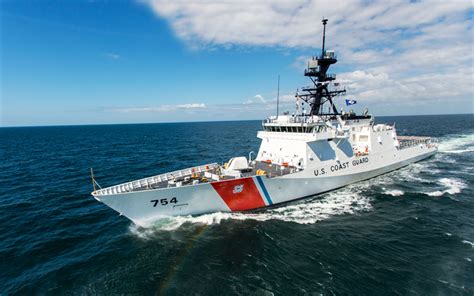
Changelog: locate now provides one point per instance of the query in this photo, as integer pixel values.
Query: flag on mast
(350, 102)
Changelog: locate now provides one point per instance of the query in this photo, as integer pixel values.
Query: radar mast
(319, 93)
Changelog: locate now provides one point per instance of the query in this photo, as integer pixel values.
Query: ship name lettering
(339, 166)
(320, 171)
(360, 161)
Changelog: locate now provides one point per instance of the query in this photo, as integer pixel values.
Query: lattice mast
(319, 93)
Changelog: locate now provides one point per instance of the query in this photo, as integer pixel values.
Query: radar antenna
(319, 93)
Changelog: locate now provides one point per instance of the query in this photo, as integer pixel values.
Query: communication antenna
(325, 21)
(278, 95)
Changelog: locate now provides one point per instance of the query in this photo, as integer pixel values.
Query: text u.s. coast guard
(340, 166)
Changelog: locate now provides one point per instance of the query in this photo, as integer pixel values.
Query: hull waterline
(144, 207)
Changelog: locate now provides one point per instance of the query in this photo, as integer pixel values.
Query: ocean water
(409, 232)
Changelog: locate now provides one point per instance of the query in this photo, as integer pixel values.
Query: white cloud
(352, 23)
(191, 106)
(260, 98)
(290, 97)
(406, 51)
(256, 99)
(113, 56)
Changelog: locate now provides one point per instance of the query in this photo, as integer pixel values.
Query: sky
(104, 62)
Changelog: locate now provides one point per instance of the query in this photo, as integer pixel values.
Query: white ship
(302, 154)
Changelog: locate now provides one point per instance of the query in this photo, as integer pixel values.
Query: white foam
(448, 234)
(446, 159)
(434, 171)
(336, 203)
(348, 200)
(457, 144)
(411, 172)
(141, 232)
(394, 192)
(468, 243)
(387, 179)
(452, 185)
(435, 193)
(459, 151)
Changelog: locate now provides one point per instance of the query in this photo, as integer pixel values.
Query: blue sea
(409, 232)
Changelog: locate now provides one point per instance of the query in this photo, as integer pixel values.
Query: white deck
(151, 182)
(184, 177)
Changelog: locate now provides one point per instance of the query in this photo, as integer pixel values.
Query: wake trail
(348, 200)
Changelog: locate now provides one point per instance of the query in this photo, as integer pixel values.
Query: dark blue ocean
(409, 232)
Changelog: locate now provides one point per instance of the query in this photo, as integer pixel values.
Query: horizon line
(201, 121)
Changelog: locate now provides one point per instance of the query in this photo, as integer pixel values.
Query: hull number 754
(163, 201)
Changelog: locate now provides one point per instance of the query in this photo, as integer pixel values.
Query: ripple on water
(58, 239)
(451, 186)
(394, 192)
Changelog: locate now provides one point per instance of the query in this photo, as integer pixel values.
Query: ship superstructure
(313, 150)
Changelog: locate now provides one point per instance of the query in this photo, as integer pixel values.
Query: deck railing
(147, 183)
(407, 141)
(294, 119)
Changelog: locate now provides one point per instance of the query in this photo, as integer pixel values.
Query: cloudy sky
(154, 61)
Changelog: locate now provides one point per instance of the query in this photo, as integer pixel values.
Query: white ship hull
(144, 207)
